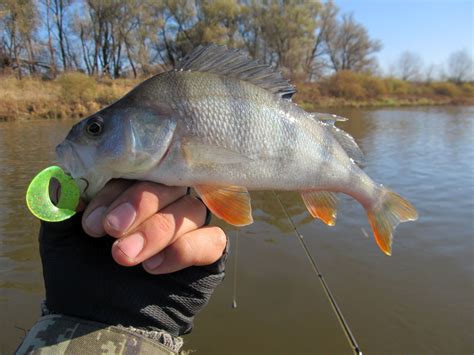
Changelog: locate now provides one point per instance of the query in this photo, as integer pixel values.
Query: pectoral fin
(322, 205)
(231, 203)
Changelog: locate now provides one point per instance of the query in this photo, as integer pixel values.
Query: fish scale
(225, 125)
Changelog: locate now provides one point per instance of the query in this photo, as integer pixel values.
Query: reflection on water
(267, 209)
(417, 301)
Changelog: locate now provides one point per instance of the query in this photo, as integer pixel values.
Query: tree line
(409, 66)
(306, 39)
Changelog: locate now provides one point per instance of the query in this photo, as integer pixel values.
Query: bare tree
(431, 72)
(58, 9)
(305, 39)
(460, 66)
(348, 45)
(48, 23)
(18, 23)
(318, 61)
(409, 66)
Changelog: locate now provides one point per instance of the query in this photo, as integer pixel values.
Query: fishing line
(342, 321)
(236, 253)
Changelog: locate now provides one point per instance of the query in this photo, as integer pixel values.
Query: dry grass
(77, 95)
(71, 95)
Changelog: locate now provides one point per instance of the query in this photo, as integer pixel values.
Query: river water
(420, 300)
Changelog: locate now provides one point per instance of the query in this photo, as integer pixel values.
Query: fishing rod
(342, 321)
(236, 248)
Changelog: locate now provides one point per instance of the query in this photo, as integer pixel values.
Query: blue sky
(431, 28)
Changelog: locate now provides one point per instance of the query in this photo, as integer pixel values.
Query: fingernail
(122, 217)
(154, 262)
(93, 222)
(132, 245)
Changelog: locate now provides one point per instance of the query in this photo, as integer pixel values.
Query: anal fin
(322, 205)
(231, 203)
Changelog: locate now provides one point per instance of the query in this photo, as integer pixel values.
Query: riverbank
(76, 95)
(349, 89)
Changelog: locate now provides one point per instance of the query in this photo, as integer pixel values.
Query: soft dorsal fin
(347, 142)
(328, 117)
(233, 63)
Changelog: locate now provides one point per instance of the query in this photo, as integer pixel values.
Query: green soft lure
(38, 199)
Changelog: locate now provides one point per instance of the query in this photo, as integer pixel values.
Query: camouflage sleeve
(60, 334)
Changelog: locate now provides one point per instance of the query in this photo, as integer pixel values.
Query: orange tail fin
(386, 215)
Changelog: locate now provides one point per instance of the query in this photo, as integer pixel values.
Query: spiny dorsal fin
(347, 142)
(233, 63)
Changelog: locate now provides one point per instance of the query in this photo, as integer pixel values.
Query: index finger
(93, 217)
(159, 231)
(138, 203)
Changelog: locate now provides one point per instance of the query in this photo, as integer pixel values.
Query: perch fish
(225, 125)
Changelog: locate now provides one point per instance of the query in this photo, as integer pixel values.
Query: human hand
(157, 225)
(83, 277)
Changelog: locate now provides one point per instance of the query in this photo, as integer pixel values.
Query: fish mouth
(87, 184)
(83, 190)
(73, 164)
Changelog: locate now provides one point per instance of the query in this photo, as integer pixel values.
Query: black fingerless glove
(83, 280)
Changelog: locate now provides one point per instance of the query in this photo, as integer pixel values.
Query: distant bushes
(77, 87)
(374, 87)
(446, 89)
(468, 89)
(344, 84)
(359, 86)
(359, 89)
(353, 86)
(396, 86)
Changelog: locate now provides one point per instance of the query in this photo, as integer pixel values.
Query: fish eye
(95, 126)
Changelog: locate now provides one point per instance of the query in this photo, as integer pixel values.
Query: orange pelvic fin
(322, 205)
(388, 213)
(231, 203)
